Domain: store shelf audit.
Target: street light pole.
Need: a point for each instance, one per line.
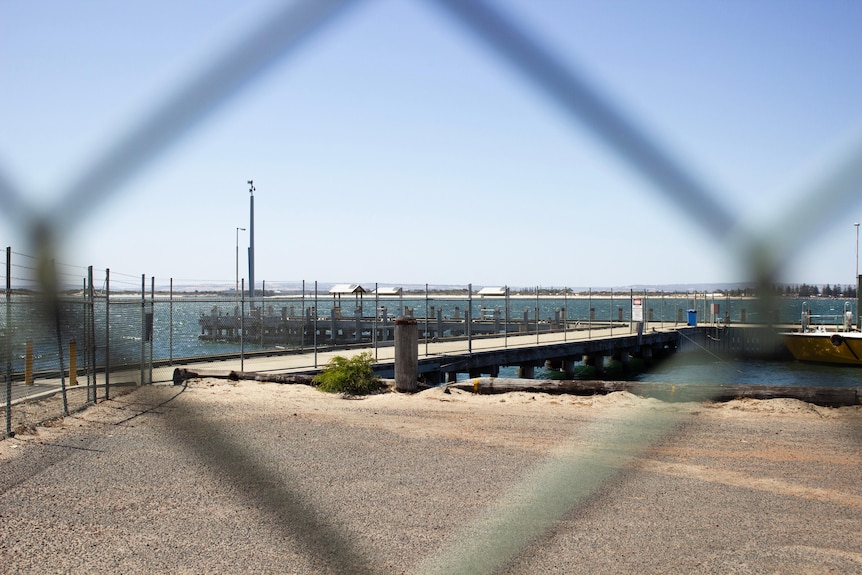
(236, 288)
(856, 278)
(856, 225)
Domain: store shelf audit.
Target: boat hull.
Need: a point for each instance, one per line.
(826, 347)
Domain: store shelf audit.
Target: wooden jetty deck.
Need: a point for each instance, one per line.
(554, 347)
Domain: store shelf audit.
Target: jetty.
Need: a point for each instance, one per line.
(481, 347)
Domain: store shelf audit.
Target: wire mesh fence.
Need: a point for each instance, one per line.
(100, 336)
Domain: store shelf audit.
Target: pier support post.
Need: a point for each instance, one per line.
(597, 360)
(646, 354)
(526, 371)
(626, 361)
(554, 364)
(406, 354)
(569, 368)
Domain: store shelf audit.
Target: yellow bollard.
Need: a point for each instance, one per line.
(28, 364)
(73, 363)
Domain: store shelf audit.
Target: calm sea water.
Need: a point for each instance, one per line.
(754, 372)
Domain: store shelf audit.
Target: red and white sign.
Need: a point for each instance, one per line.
(637, 310)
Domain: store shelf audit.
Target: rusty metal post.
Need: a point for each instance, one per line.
(73, 363)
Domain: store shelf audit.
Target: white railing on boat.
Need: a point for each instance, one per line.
(827, 322)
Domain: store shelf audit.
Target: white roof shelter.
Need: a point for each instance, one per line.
(492, 291)
(344, 289)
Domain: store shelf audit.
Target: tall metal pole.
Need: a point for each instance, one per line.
(856, 278)
(251, 243)
(236, 285)
(856, 225)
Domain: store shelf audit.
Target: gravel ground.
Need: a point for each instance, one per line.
(222, 477)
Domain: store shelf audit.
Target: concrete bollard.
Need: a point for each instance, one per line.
(406, 354)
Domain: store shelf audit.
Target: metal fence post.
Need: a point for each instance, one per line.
(8, 340)
(56, 299)
(304, 320)
(107, 333)
(468, 318)
(91, 338)
(374, 323)
(151, 325)
(143, 325)
(171, 324)
(537, 314)
(242, 327)
(506, 329)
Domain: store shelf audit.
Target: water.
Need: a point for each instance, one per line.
(752, 372)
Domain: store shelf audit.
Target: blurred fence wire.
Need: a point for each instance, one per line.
(762, 252)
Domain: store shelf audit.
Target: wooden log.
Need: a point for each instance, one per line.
(292, 378)
(825, 396)
(181, 375)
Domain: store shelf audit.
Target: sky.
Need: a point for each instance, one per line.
(394, 145)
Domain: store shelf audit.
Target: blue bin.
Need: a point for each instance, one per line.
(692, 317)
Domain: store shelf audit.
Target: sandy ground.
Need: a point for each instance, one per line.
(250, 477)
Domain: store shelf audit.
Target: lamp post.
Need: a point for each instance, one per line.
(856, 277)
(856, 225)
(236, 288)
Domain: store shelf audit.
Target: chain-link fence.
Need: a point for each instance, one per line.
(115, 336)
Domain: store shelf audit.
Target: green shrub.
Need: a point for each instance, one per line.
(352, 376)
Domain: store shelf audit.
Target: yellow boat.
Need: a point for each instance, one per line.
(841, 344)
(821, 346)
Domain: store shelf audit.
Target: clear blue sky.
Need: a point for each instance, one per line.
(395, 147)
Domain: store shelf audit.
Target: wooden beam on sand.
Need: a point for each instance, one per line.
(825, 396)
